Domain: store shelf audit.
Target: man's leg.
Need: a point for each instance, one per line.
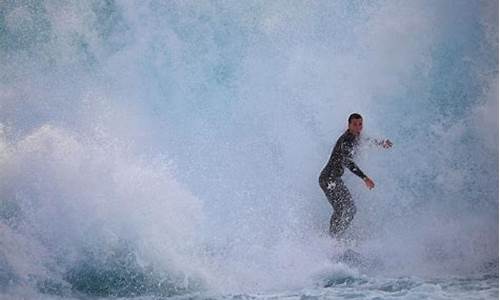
(335, 222)
(346, 207)
(343, 207)
(328, 185)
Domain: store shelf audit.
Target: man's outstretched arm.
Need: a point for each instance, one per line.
(384, 143)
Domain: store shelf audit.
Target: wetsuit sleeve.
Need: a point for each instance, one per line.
(348, 162)
(374, 141)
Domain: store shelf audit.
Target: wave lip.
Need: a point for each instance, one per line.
(79, 217)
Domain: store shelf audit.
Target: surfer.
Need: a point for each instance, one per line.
(330, 179)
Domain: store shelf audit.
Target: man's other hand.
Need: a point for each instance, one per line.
(387, 144)
(369, 183)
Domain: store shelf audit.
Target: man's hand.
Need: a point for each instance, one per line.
(386, 144)
(369, 183)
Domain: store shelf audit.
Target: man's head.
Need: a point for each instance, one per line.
(355, 123)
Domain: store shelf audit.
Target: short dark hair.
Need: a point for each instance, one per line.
(354, 116)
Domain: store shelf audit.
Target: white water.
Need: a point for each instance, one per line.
(176, 146)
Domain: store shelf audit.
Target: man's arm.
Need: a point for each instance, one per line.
(380, 143)
(348, 162)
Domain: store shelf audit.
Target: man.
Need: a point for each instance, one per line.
(330, 179)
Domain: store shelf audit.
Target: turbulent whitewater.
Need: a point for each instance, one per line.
(154, 149)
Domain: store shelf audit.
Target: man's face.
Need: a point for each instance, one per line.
(356, 126)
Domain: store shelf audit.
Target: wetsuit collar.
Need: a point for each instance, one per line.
(349, 132)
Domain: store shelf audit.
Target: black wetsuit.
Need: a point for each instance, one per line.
(331, 183)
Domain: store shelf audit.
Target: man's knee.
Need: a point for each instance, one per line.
(348, 214)
(351, 210)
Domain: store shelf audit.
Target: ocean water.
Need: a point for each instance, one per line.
(171, 149)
